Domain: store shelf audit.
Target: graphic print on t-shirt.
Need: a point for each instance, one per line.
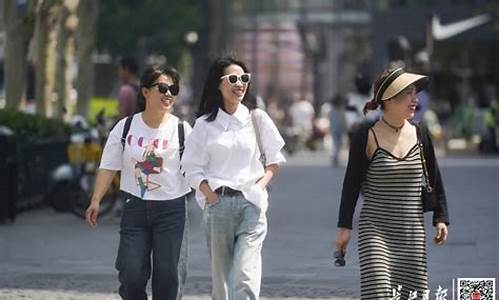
(152, 164)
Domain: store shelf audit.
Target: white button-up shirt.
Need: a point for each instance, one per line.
(225, 153)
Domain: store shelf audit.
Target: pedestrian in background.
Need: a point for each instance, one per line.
(336, 118)
(146, 148)
(389, 160)
(302, 117)
(356, 100)
(422, 66)
(129, 88)
(222, 163)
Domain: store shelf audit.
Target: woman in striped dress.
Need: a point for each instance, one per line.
(385, 163)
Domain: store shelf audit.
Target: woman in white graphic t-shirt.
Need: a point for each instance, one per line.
(154, 214)
(222, 163)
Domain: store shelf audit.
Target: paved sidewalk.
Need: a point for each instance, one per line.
(46, 255)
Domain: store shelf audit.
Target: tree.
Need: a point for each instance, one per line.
(19, 24)
(66, 26)
(46, 34)
(138, 28)
(85, 41)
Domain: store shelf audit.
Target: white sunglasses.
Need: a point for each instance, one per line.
(233, 78)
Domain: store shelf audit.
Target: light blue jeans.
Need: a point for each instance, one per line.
(235, 230)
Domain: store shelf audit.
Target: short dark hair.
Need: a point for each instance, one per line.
(130, 64)
(211, 98)
(150, 76)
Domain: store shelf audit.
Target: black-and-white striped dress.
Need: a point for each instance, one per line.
(391, 227)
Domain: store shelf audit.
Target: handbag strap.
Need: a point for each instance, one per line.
(257, 136)
(424, 162)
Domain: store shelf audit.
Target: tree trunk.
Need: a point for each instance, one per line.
(19, 24)
(215, 33)
(66, 27)
(85, 40)
(46, 55)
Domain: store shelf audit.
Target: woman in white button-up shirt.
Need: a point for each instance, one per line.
(221, 161)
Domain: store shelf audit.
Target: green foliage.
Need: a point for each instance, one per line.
(109, 105)
(128, 27)
(33, 127)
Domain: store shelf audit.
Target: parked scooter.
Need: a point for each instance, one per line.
(73, 183)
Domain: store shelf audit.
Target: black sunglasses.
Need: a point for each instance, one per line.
(339, 259)
(163, 88)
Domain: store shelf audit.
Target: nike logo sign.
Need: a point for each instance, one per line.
(442, 32)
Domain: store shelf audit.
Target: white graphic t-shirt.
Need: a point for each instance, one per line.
(150, 163)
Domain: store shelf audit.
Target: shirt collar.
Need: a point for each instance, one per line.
(241, 115)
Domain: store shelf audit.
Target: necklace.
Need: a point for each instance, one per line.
(395, 128)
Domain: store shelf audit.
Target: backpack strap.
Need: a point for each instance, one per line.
(180, 131)
(126, 129)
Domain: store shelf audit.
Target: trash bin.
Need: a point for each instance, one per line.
(8, 175)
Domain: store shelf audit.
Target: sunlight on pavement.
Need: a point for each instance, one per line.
(28, 294)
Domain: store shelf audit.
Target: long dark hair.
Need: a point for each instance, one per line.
(211, 99)
(150, 76)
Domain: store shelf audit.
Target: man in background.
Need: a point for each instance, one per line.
(127, 94)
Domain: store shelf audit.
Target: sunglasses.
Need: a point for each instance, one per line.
(163, 88)
(233, 78)
(339, 258)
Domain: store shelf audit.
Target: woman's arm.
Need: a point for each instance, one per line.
(440, 214)
(354, 176)
(111, 162)
(195, 158)
(102, 183)
(270, 140)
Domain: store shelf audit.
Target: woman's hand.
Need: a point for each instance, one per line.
(269, 172)
(212, 197)
(101, 184)
(92, 213)
(343, 237)
(441, 234)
